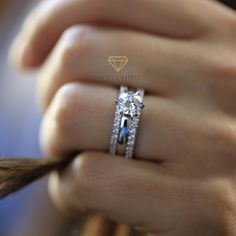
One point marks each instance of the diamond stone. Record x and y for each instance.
(130, 103)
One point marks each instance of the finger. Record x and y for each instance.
(123, 230)
(81, 118)
(50, 19)
(115, 187)
(98, 226)
(156, 64)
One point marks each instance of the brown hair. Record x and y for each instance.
(16, 173)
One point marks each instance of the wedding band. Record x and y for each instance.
(127, 114)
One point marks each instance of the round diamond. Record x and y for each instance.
(130, 103)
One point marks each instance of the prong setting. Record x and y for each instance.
(128, 108)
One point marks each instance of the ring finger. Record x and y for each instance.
(80, 117)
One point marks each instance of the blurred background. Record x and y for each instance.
(28, 213)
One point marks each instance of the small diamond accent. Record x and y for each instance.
(132, 137)
(115, 132)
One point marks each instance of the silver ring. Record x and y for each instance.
(127, 114)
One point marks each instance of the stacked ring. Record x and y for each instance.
(127, 114)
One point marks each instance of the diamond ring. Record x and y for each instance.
(128, 110)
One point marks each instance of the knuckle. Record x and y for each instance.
(223, 67)
(75, 32)
(74, 41)
(226, 69)
(59, 120)
(69, 99)
(221, 74)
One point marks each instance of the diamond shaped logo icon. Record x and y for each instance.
(118, 62)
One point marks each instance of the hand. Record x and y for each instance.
(183, 179)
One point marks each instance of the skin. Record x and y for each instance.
(183, 178)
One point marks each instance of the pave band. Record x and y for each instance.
(128, 109)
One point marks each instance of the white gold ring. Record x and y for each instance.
(128, 110)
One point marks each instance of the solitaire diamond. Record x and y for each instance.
(130, 103)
